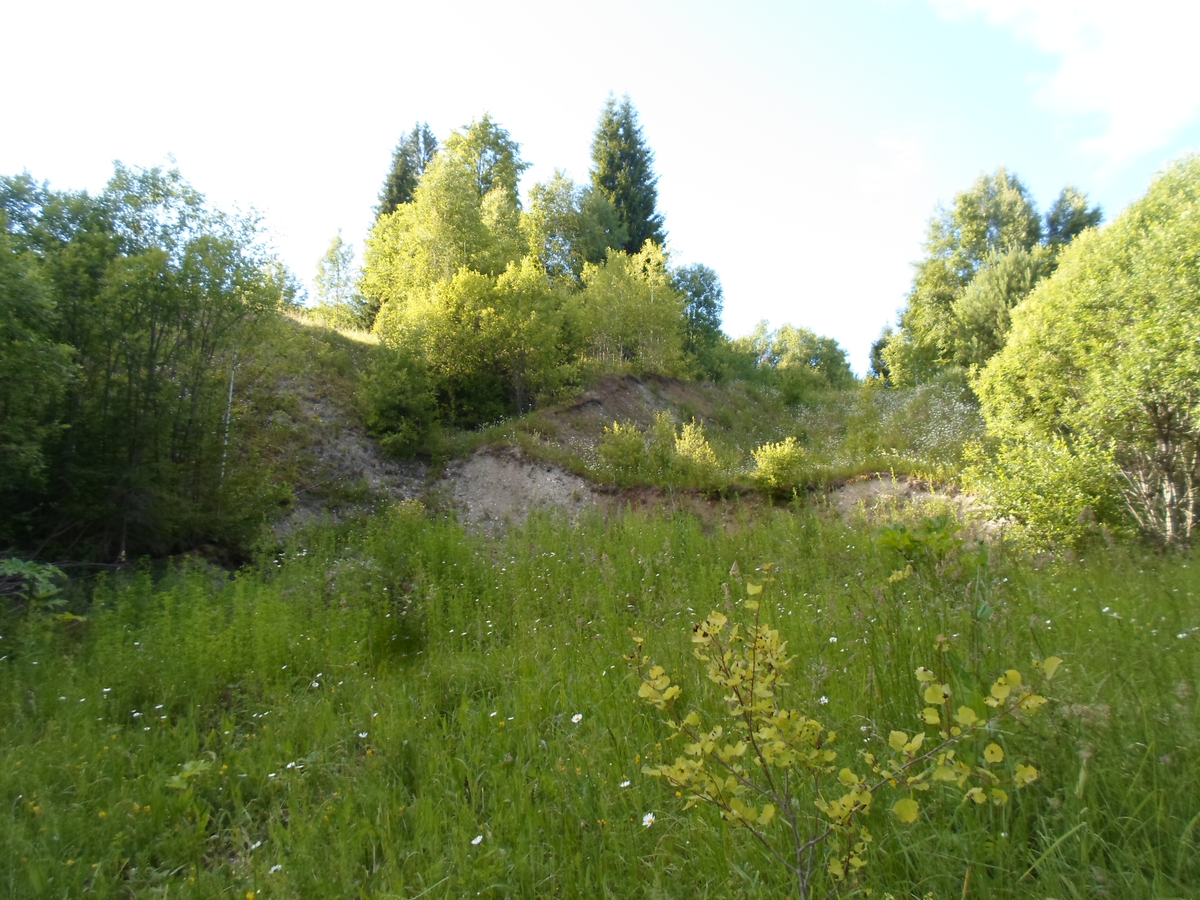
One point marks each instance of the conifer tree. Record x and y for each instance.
(623, 171)
(409, 160)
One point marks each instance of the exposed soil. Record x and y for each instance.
(495, 487)
(346, 471)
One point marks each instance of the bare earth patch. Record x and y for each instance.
(494, 487)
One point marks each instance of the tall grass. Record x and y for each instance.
(396, 708)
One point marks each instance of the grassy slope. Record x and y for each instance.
(918, 432)
(363, 706)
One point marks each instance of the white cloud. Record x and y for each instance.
(1133, 64)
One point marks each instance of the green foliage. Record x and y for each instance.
(1070, 217)
(341, 305)
(982, 310)
(397, 399)
(31, 584)
(803, 363)
(704, 301)
(781, 467)
(761, 750)
(629, 317)
(1055, 493)
(412, 154)
(623, 173)
(622, 451)
(694, 456)
(1103, 355)
(879, 366)
(34, 374)
(662, 454)
(155, 295)
(931, 542)
(995, 218)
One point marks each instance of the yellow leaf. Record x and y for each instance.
(1001, 689)
(977, 795)
(1025, 775)
(837, 870)
(993, 753)
(937, 693)
(897, 740)
(944, 773)
(906, 810)
(966, 716)
(768, 814)
(923, 674)
(999, 797)
(931, 716)
(1049, 665)
(1032, 702)
(848, 778)
(751, 605)
(753, 589)
(1013, 677)
(915, 744)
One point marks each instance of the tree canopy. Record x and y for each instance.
(994, 217)
(123, 315)
(1105, 354)
(409, 159)
(623, 172)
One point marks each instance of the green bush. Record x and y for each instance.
(623, 451)
(780, 466)
(397, 399)
(1056, 493)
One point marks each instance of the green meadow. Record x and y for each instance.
(395, 707)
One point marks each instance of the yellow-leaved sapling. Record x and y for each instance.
(773, 771)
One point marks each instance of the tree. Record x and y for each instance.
(993, 219)
(879, 367)
(1069, 217)
(798, 359)
(567, 226)
(704, 301)
(337, 286)
(629, 317)
(34, 373)
(1103, 355)
(982, 311)
(995, 214)
(409, 160)
(491, 156)
(623, 172)
(155, 294)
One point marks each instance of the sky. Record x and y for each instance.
(801, 147)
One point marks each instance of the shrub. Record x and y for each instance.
(694, 457)
(780, 466)
(1055, 492)
(772, 771)
(623, 451)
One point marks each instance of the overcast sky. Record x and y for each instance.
(801, 147)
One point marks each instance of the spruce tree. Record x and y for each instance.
(409, 160)
(622, 171)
